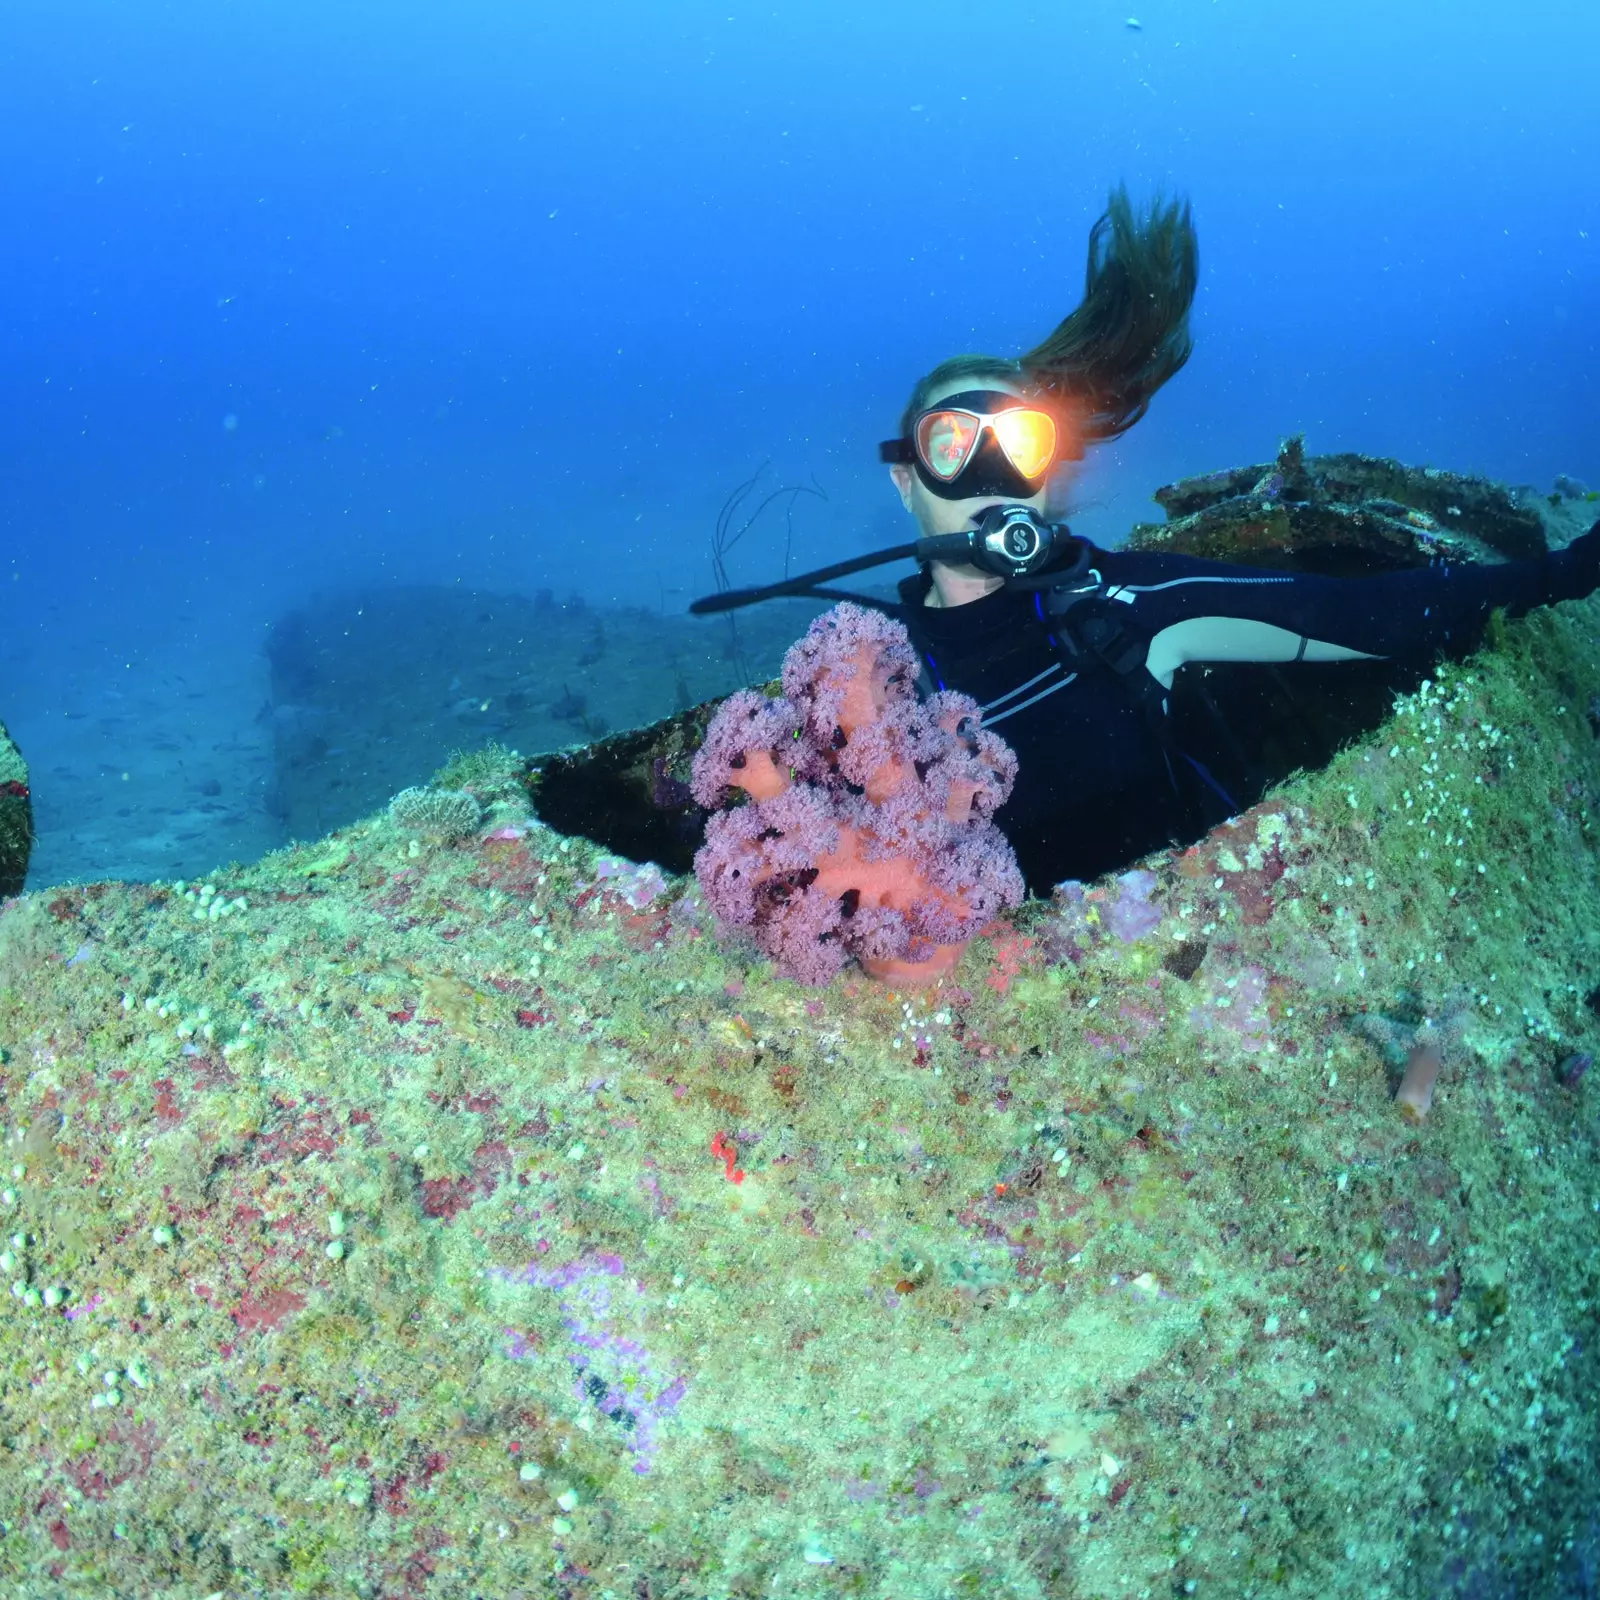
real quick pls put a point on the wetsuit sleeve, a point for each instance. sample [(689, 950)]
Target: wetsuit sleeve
[(1409, 615)]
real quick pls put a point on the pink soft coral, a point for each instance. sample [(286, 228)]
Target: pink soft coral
[(866, 828)]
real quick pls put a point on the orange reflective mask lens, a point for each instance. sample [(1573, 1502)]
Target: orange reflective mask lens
[(947, 439), (1028, 438)]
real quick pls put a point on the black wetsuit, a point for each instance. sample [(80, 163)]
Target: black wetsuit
[(1101, 778)]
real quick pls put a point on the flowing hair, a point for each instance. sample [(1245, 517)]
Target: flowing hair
[(1105, 361)]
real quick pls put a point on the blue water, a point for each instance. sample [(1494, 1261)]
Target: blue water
[(297, 296)]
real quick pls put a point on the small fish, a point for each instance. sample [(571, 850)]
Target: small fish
[(1134, 24)]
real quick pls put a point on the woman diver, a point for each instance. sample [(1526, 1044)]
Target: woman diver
[(1074, 666), (1070, 649)]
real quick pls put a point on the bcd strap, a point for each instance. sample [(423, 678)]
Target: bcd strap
[(1106, 637), (1086, 624)]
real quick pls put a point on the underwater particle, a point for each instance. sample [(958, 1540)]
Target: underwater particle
[(1415, 1094), (435, 813), (1133, 25)]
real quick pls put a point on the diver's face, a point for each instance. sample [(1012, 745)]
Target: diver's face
[(937, 515)]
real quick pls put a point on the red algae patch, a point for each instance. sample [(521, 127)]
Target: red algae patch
[(258, 1313)]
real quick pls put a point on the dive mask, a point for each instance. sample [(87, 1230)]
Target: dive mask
[(977, 442)]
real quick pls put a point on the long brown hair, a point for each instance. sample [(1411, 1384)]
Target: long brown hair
[(1130, 333)]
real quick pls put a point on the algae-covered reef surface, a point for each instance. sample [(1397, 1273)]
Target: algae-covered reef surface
[(16, 817), (453, 1216)]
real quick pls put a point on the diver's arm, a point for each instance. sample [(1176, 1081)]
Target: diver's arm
[(1213, 638), (1212, 611)]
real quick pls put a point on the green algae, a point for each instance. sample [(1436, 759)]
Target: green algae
[(1107, 1269)]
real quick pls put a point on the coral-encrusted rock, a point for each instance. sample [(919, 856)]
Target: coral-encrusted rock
[(1341, 515), (473, 1223), (16, 817)]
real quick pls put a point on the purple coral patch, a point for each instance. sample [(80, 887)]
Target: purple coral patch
[(1131, 916), (615, 1373)]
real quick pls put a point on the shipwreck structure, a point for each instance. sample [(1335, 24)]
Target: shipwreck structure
[(421, 1213)]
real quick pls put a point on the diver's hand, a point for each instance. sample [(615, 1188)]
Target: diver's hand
[(1575, 571)]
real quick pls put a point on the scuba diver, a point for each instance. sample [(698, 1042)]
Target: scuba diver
[(1071, 650)]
